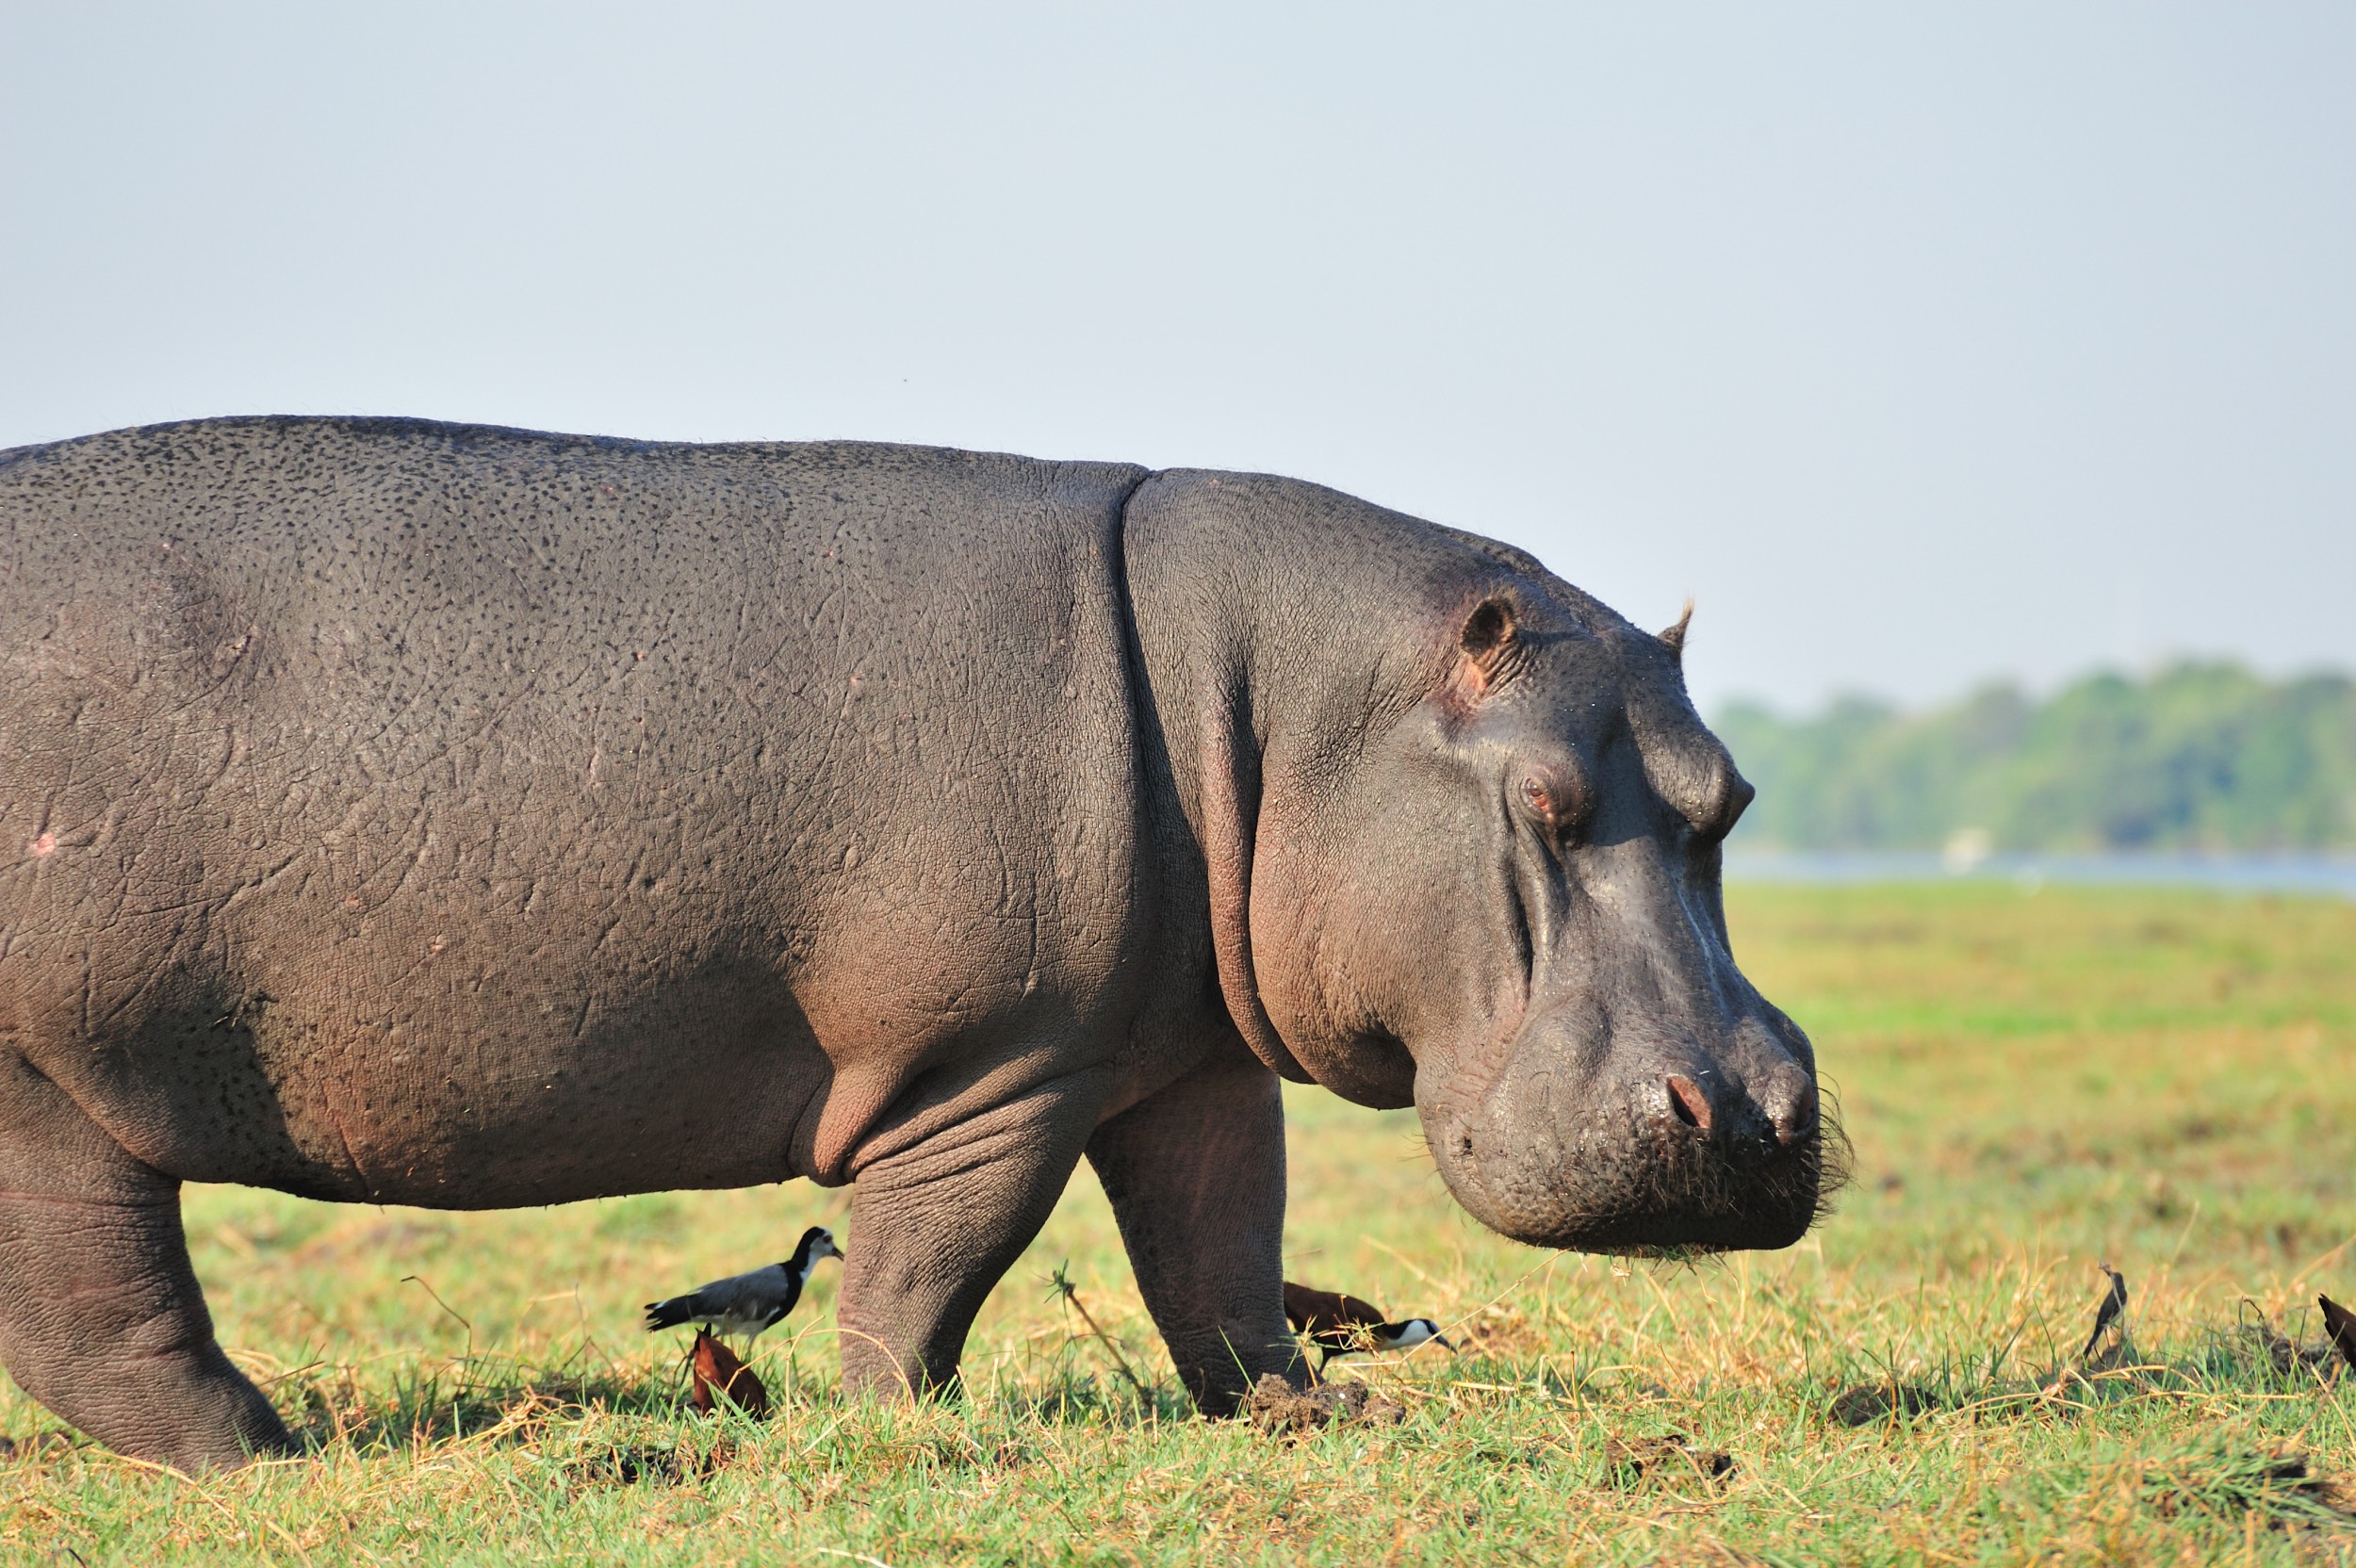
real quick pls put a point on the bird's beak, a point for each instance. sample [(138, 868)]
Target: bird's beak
[(1443, 1339)]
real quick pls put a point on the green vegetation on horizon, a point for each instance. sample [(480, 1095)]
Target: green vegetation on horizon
[(2197, 758), (2164, 1079)]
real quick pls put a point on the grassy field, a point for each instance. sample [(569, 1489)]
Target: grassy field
[(2167, 1081)]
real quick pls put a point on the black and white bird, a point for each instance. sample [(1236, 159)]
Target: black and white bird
[(1406, 1334), (1341, 1325), (745, 1304)]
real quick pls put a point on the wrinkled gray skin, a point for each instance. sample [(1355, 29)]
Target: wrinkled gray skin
[(409, 813)]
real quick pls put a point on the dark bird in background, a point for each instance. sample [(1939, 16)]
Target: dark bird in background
[(745, 1304), (2114, 1302), (1340, 1325), (719, 1375), (2340, 1324)]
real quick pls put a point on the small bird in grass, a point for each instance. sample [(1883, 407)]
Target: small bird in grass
[(1340, 1325), (2114, 1302), (2340, 1324), (744, 1304), (718, 1374)]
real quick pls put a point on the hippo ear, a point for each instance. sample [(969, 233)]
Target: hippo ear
[(1489, 644), (1675, 636)]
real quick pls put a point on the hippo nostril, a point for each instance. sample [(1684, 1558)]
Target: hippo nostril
[(1686, 1099), (1795, 1119)]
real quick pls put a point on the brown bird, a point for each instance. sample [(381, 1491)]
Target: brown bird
[(2114, 1302), (2340, 1324), (719, 1374), (1340, 1325)]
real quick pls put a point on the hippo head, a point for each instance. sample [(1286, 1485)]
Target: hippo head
[(1497, 898)]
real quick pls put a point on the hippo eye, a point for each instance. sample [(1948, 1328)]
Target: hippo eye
[(1551, 804), (1554, 802)]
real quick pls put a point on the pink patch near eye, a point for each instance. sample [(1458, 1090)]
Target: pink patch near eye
[(44, 845)]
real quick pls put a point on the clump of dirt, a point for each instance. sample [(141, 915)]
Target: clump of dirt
[(1628, 1461), (1867, 1403), (39, 1446), (629, 1466), (1276, 1406), (2289, 1356), (2279, 1485)]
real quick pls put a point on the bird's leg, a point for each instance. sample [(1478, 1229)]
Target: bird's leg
[(101, 1316), (938, 1219), (1196, 1175)]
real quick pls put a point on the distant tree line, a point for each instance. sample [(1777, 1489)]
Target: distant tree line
[(2198, 757)]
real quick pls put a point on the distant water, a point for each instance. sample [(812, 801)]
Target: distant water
[(2329, 875)]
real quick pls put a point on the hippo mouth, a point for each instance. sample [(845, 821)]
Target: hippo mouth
[(1643, 1183)]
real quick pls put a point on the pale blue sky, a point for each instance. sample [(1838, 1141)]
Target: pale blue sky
[(1920, 345)]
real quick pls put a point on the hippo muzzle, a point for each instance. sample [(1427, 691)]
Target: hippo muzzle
[(1640, 1141)]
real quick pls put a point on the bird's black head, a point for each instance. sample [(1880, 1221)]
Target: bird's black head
[(817, 1242)]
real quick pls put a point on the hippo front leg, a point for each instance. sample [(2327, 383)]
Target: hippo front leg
[(1196, 1175), (936, 1223)]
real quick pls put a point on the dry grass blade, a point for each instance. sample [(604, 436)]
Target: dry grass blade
[(1071, 1294)]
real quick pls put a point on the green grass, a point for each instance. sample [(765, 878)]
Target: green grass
[(2165, 1080)]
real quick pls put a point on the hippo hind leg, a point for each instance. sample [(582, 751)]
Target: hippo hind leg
[(936, 1223), (101, 1318)]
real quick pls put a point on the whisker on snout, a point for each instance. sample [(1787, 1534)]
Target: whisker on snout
[(1803, 1177)]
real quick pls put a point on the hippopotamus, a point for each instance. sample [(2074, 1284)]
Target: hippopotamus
[(404, 812)]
